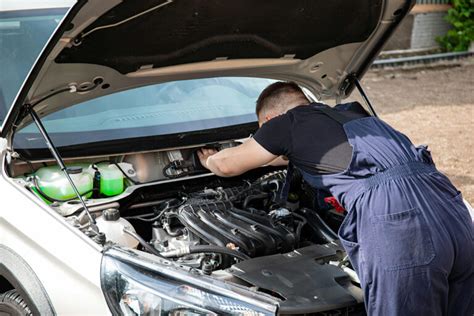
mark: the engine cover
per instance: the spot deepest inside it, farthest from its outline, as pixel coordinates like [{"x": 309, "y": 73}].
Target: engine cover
[
  {"x": 305, "y": 285},
  {"x": 220, "y": 223}
]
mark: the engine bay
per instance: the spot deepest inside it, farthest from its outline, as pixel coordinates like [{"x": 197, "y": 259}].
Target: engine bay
[
  {"x": 246, "y": 218},
  {"x": 237, "y": 229}
]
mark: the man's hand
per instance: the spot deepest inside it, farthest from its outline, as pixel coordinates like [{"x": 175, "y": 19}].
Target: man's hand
[
  {"x": 236, "y": 160},
  {"x": 205, "y": 153}
]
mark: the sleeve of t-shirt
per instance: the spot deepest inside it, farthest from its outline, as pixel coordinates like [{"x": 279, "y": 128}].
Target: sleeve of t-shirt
[{"x": 275, "y": 135}]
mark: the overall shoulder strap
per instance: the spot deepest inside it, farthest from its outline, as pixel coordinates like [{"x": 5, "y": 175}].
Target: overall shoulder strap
[{"x": 335, "y": 115}]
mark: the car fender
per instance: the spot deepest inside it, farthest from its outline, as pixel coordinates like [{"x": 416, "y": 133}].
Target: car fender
[{"x": 21, "y": 276}]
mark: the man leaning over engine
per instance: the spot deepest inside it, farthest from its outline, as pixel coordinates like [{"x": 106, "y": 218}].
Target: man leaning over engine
[{"x": 408, "y": 233}]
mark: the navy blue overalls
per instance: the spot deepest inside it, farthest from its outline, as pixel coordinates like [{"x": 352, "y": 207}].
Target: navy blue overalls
[{"x": 408, "y": 234}]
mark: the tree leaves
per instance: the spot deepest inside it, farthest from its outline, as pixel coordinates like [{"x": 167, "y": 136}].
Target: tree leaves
[{"x": 461, "y": 17}]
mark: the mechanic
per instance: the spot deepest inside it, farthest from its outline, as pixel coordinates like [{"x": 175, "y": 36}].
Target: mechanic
[{"x": 408, "y": 234}]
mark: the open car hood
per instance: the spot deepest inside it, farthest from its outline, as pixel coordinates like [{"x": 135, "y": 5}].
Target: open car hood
[{"x": 120, "y": 45}]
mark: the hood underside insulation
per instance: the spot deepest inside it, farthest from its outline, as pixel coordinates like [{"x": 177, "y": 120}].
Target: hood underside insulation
[{"x": 166, "y": 33}]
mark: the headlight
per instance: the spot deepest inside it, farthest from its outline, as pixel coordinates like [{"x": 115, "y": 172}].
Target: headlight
[{"x": 132, "y": 289}]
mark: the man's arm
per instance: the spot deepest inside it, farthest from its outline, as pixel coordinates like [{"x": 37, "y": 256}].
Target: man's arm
[
  {"x": 236, "y": 160},
  {"x": 279, "y": 161}
]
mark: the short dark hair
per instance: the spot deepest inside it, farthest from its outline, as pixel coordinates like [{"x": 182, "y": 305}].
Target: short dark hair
[{"x": 274, "y": 94}]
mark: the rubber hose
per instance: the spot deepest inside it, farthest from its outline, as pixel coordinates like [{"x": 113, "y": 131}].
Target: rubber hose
[
  {"x": 173, "y": 233},
  {"x": 251, "y": 198},
  {"x": 302, "y": 222},
  {"x": 218, "y": 249},
  {"x": 142, "y": 242}
]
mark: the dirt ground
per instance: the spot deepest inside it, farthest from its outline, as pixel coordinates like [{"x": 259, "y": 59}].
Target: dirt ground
[{"x": 432, "y": 106}]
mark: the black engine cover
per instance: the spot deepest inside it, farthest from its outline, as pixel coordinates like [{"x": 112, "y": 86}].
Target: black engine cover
[
  {"x": 305, "y": 284},
  {"x": 220, "y": 223}
]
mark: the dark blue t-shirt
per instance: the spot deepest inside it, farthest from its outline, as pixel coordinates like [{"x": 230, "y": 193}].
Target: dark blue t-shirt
[{"x": 309, "y": 138}]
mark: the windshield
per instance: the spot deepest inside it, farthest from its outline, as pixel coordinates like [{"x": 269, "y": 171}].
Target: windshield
[
  {"x": 23, "y": 33},
  {"x": 161, "y": 109}
]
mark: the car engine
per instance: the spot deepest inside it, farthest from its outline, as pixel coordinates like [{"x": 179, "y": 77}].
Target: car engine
[
  {"x": 206, "y": 228},
  {"x": 229, "y": 218}
]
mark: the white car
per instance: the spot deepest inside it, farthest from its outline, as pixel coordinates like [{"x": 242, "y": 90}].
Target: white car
[{"x": 117, "y": 103}]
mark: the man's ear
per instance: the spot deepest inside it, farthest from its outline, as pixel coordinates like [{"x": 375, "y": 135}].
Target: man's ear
[{"x": 269, "y": 116}]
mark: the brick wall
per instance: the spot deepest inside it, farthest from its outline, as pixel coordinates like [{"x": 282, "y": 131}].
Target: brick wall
[{"x": 426, "y": 27}]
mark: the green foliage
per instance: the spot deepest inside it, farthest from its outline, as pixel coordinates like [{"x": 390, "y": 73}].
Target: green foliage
[{"x": 461, "y": 17}]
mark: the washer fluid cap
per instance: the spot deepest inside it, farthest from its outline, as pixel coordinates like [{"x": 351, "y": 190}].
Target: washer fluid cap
[{"x": 111, "y": 214}]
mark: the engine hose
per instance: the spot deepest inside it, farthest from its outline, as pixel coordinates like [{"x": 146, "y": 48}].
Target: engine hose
[
  {"x": 251, "y": 198},
  {"x": 218, "y": 249},
  {"x": 182, "y": 251},
  {"x": 300, "y": 226},
  {"x": 142, "y": 242},
  {"x": 125, "y": 174},
  {"x": 319, "y": 227},
  {"x": 172, "y": 233}
]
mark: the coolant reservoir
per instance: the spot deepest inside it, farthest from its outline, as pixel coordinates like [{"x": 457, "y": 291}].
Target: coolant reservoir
[
  {"x": 52, "y": 182},
  {"x": 112, "y": 225},
  {"x": 111, "y": 179}
]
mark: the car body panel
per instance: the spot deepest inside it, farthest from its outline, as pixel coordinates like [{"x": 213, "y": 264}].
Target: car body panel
[{"x": 66, "y": 262}]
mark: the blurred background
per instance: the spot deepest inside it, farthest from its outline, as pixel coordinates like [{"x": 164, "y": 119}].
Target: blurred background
[{"x": 422, "y": 82}]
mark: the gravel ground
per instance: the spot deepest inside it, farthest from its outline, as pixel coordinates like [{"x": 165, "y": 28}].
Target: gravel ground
[
  {"x": 446, "y": 129},
  {"x": 432, "y": 106},
  {"x": 439, "y": 84}
]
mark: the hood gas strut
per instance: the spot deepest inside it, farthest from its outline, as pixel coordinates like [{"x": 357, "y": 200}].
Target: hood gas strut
[
  {"x": 59, "y": 160},
  {"x": 352, "y": 78},
  {"x": 54, "y": 151},
  {"x": 364, "y": 96}
]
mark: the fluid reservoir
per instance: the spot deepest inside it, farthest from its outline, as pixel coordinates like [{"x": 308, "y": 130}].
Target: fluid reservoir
[
  {"x": 111, "y": 179},
  {"x": 112, "y": 225},
  {"x": 52, "y": 182}
]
